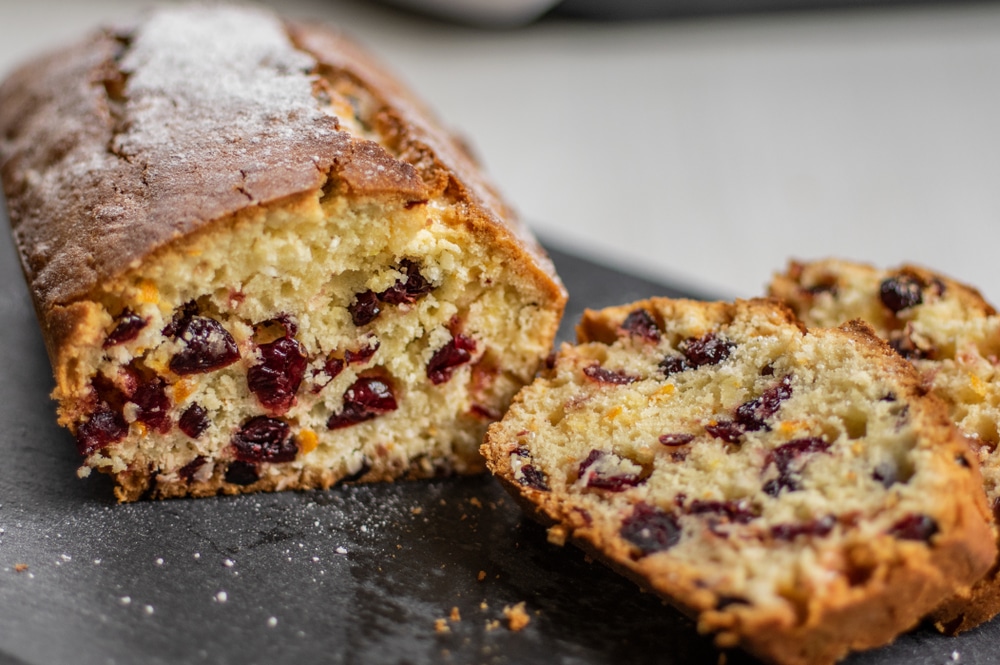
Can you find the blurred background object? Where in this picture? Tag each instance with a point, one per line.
(703, 150)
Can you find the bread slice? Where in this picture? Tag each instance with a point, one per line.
(794, 490)
(259, 263)
(951, 335)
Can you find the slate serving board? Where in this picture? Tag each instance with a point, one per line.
(352, 575)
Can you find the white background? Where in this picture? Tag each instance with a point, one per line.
(702, 151)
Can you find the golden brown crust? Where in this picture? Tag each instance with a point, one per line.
(892, 582)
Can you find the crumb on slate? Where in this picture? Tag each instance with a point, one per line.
(517, 618)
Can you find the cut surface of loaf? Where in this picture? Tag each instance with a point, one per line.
(951, 335)
(795, 491)
(258, 262)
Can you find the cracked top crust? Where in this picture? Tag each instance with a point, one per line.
(114, 147)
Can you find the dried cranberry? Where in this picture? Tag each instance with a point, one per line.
(414, 203)
(650, 529)
(783, 456)
(485, 413)
(188, 470)
(188, 310)
(276, 378)
(751, 415)
(410, 288)
(819, 527)
(598, 479)
(726, 430)
(914, 527)
(906, 346)
(104, 427)
(194, 421)
(366, 398)
(602, 375)
(707, 350)
(207, 346)
(532, 477)
(734, 511)
(641, 323)
(331, 369)
(676, 439)
(242, 473)
(456, 352)
(363, 354)
(153, 405)
(128, 328)
(264, 439)
(674, 365)
(899, 292)
(365, 308)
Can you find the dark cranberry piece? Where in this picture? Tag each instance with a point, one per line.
(207, 347)
(904, 345)
(914, 527)
(264, 439)
(819, 527)
(105, 426)
(276, 379)
(365, 308)
(641, 324)
(996, 509)
(707, 350)
(676, 439)
(598, 479)
(366, 398)
(194, 421)
(522, 451)
(899, 292)
(485, 412)
(602, 375)
(188, 470)
(444, 361)
(532, 477)
(362, 355)
(242, 473)
(331, 368)
(674, 365)
(726, 430)
(153, 405)
(409, 289)
(413, 204)
(188, 310)
(751, 415)
(734, 511)
(128, 328)
(650, 529)
(783, 456)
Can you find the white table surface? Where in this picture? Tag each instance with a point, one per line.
(702, 151)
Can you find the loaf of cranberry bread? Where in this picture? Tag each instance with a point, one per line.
(796, 491)
(951, 335)
(258, 263)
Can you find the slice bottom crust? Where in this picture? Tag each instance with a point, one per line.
(795, 491)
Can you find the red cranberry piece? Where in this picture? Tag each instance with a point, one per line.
(242, 473)
(188, 310)
(676, 439)
(707, 350)
(783, 456)
(602, 375)
(153, 405)
(751, 415)
(408, 289)
(641, 323)
(674, 365)
(819, 527)
(444, 361)
(128, 328)
(598, 478)
(735, 511)
(906, 346)
(532, 477)
(332, 367)
(188, 470)
(726, 430)
(207, 347)
(414, 203)
(276, 379)
(900, 292)
(367, 398)
(104, 427)
(264, 439)
(650, 529)
(365, 308)
(485, 412)
(194, 421)
(362, 355)
(914, 527)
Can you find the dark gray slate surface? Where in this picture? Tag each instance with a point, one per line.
(351, 575)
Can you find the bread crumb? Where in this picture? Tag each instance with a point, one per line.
(492, 624)
(20, 567)
(455, 615)
(483, 606)
(416, 511)
(441, 626)
(481, 576)
(517, 618)
(476, 502)
(557, 535)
